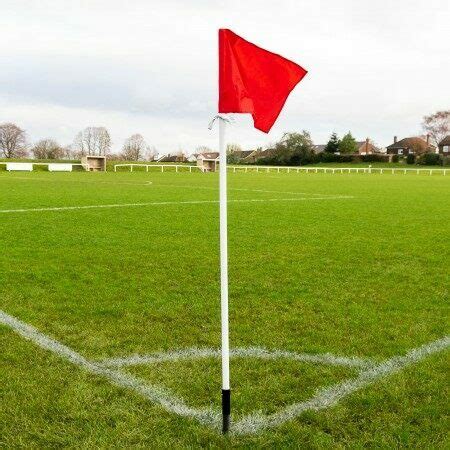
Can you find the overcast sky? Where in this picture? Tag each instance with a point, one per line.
(150, 67)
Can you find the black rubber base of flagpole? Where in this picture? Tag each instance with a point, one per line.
(226, 410)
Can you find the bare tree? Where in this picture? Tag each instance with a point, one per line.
(69, 152)
(48, 149)
(437, 125)
(13, 143)
(92, 141)
(103, 139)
(151, 153)
(232, 148)
(78, 146)
(114, 157)
(134, 148)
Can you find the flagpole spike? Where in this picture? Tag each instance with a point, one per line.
(226, 410)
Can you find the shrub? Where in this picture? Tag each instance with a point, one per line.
(327, 157)
(430, 159)
(333, 157)
(411, 158)
(294, 149)
(374, 158)
(395, 158)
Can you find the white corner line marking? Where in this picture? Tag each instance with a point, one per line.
(252, 423)
(155, 394)
(191, 354)
(187, 202)
(330, 396)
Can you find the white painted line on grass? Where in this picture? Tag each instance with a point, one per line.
(58, 180)
(191, 354)
(211, 188)
(328, 397)
(252, 423)
(155, 394)
(242, 189)
(148, 183)
(187, 202)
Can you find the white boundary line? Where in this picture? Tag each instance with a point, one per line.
(155, 394)
(250, 424)
(57, 180)
(186, 186)
(187, 202)
(163, 185)
(328, 397)
(191, 354)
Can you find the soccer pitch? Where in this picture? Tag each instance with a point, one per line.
(110, 319)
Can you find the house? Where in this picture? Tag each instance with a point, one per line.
(192, 158)
(179, 158)
(410, 145)
(367, 147)
(364, 148)
(252, 157)
(256, 155)
(242, 154)
(444, 146)
(208, 161)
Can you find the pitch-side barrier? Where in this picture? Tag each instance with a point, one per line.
(52, 167)
(290, 169)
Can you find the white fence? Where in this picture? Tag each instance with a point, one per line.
(286, 169)
(60, 167)
(27, 167)
(52, 167)
(159, 166)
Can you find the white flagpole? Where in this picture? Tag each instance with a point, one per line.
(226, 393)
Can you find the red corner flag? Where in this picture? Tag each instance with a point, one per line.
(253, 80)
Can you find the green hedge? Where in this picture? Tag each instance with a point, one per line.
(430, 159)
(324, 157)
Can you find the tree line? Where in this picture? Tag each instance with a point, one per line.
(90, 141)
(291, 149)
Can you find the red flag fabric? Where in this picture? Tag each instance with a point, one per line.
(253, 80)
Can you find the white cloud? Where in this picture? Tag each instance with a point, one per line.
(375, 68)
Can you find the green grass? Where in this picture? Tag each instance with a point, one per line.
(366, 276)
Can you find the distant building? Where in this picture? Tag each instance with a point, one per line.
(259, 154)
(444, 146)
(208, 161)
(94, 163)
(242, 154)
(179, 158)
(364, 148)
(367, 147)
(410, 145)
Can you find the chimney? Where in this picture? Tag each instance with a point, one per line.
(428, 138)
(395, 139)
(367, 146)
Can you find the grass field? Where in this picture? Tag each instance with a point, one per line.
(346, 265)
